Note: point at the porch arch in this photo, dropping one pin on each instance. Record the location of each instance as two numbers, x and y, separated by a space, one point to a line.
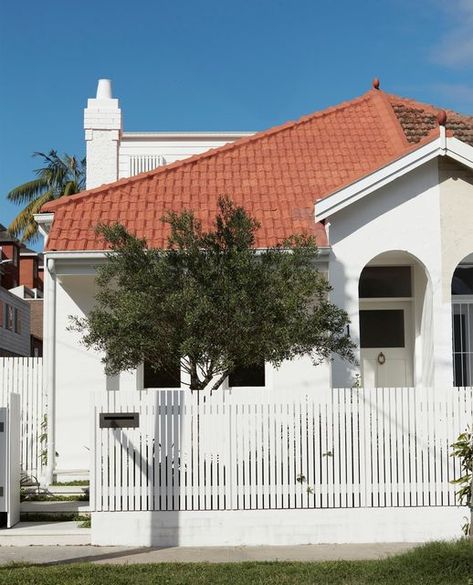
462 322
395 318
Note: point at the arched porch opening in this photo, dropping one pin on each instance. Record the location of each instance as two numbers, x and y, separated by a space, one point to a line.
395 312
462 322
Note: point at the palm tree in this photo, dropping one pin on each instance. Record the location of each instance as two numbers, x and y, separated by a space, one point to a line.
60 176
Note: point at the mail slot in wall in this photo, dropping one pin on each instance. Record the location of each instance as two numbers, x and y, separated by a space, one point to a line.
119 420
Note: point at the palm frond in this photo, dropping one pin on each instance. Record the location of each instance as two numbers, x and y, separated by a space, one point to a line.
24 226
70 188
59 176
28 191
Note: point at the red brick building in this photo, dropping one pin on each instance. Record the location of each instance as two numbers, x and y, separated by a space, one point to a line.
21 298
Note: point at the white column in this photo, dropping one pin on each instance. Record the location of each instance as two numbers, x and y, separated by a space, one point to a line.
344 279
443 373
103 127
50 364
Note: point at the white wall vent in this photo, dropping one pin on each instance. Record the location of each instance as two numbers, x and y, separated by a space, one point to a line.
142 163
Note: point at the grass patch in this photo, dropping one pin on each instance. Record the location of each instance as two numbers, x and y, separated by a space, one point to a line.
84 521
431 564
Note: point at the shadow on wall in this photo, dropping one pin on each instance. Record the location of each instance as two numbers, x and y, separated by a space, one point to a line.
140 469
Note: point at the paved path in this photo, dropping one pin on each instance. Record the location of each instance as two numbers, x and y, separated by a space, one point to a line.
122 555
27 534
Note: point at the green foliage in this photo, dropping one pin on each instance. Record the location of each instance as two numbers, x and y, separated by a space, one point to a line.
54 517
212 300
463 450
43 441
48 497
84 521
60 176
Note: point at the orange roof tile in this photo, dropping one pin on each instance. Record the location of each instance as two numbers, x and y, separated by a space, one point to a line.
277 175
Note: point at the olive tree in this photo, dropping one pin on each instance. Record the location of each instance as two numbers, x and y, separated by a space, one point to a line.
211 300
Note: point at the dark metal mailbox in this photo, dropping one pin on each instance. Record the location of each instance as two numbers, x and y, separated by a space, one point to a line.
119 420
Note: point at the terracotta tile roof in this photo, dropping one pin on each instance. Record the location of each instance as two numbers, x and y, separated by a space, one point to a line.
418 119
277 175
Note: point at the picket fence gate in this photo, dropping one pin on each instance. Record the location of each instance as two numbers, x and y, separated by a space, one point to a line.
260 449
24 376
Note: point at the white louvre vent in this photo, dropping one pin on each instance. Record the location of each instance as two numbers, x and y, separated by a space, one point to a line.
145 162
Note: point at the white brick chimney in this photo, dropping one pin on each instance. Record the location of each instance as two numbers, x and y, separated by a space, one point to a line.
103 127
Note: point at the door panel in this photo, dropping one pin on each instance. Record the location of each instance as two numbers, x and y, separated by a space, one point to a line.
386 344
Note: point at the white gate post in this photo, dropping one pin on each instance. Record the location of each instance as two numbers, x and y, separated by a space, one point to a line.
10 460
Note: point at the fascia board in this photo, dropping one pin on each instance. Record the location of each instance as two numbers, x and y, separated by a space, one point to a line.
44 221
356 191
460 151
76 255
76 263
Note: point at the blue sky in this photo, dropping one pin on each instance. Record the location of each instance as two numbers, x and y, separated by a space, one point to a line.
215 64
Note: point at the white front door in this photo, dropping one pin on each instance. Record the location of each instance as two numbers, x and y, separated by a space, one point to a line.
386 344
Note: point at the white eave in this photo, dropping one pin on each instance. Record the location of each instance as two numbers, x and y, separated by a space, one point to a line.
442 146
76 254
222 135
324 252
44 221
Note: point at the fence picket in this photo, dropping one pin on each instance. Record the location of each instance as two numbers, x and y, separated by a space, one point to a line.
24 376
352 447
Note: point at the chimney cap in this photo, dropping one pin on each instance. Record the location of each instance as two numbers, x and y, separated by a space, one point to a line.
104 89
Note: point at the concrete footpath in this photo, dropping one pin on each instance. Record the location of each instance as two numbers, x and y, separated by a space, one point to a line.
52 555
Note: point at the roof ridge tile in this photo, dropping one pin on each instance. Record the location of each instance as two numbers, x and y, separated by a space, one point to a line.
389 116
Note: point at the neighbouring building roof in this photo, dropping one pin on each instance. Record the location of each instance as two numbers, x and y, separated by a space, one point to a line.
277 175
418 120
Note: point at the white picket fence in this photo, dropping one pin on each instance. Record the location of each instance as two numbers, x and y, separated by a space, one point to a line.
24 376
242 449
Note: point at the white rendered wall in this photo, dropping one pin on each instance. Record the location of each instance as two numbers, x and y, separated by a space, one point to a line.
103 126
168 147
102 157
79 372
277 527
403 216
456 205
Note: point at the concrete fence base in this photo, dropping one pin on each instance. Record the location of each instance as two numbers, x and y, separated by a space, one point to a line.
277 527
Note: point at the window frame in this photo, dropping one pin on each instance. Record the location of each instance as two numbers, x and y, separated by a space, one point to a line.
9 317
17 320
140 373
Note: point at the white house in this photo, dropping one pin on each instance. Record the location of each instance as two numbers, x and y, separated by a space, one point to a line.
384 183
